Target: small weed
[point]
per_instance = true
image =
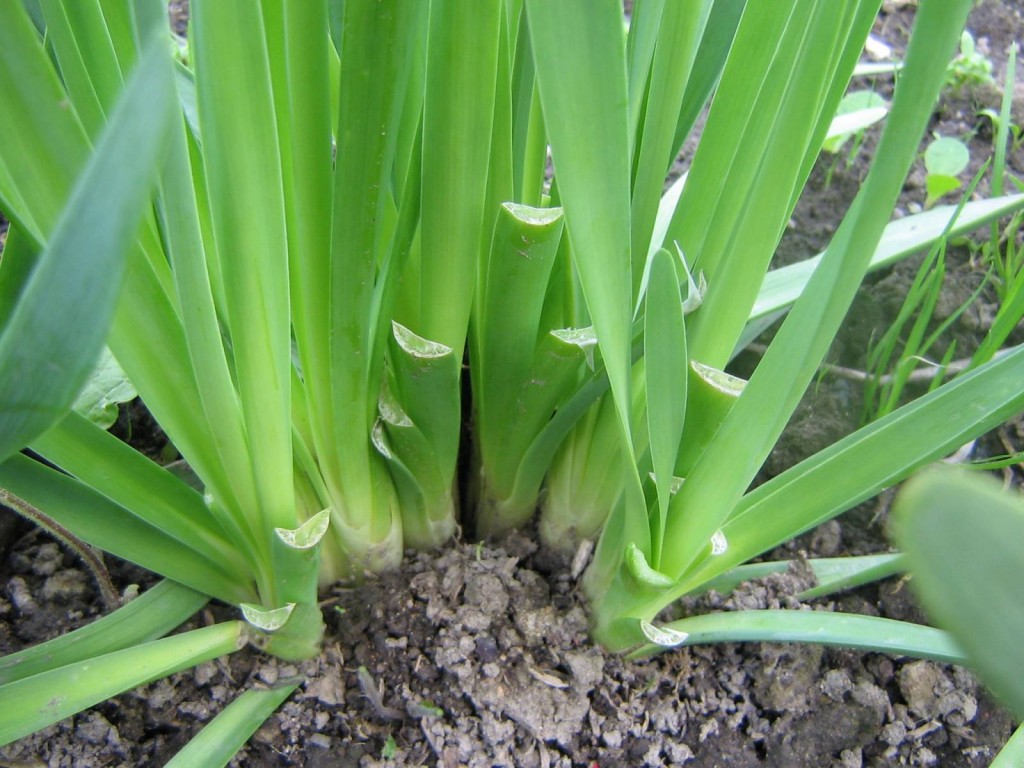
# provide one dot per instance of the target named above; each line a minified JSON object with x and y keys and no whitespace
{"x":970,"y":67}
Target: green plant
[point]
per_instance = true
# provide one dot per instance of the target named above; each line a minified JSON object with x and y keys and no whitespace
{"x":944,"y":160}
{"x":331,"y":237}
{"x":857,"y":111}
{"x":898,"y":355}
{"x":969,"y":67}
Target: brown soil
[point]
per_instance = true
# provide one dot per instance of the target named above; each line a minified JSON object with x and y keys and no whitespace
{"x":478,"y":655}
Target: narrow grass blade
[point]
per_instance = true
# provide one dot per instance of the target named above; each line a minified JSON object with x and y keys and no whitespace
{"x":962,"y":537}
{"x":35,"y":702}
{"x":345,"y":382}
{"x":679,"y":33}
{"x":306,"y":102}
{"x":839,"y":630}
{"x":842,"y":573}
{"x":719,"y":33}
{"x":901,"y":238}
{"x":148,"y":617}
{"x":17,"y":259}
{"x":764,"y":123}
{"x":579,"y":50}
{"x":222,"y":737}
{"x":54,"y":336}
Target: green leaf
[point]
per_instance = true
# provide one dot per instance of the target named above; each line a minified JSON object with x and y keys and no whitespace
{"x":839,"y":630}
{"x":222,"y":737}
{"x":901,"y":238}
{"x":857,"y":110}
{"x":579,"y":51}
{"x":946,"y":156}
{"x":937,"y":185}
{"x":462,"y":58}
{"x":97,"y":520}
{"x":666,"y":377}
{"x":962,"y":538}
{"x":57,"y":329}
{"x":726,"y":468}
{"x":242,"y":160}
{"x":149,"y":616}
{"x":105,"y":389}
{"x":35,"y":702}
{"x":871,"y":459}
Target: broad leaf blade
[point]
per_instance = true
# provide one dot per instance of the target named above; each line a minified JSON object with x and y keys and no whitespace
{"x":148,"y":617}
{"x":35,"y":702}
{"x":963,"y":536}
{"x":57,"y":330}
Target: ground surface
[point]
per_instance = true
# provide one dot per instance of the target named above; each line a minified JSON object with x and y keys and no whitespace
{"x":478,"y":655}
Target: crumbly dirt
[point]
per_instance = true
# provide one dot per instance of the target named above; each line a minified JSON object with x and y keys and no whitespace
{"x":478,"y":655}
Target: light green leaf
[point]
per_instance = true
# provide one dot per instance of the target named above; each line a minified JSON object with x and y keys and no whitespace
{"x":222,"y":737}
{"x":666,"y":377}
{"x":937,"y":185}
{"x":962,"y":538}
{"x":149,"y":616}
{"x":57,"y":329}
{"x":946,"y":156}
{"x":105,"y":389}
{"x":828,"y":628}
{"x":35,"y":702}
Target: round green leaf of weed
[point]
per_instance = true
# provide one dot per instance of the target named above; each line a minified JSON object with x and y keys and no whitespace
{"x":963,"y":536}
{"x":946,"y":157}
{"x":104,"y":390}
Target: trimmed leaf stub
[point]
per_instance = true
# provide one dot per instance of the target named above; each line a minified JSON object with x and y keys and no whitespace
{"x":380,"y":440}
{"x":584,"y":338}
{"x":267,"y":620}
{"x":666,"y":637}
{"x":416,"y":346}
{"x":724,"y":382}
{"x":307,"y":535}
{"x":677,"y":483}
{"x":640,"y":569}
{"x":390,"y":410}
{"x":719,"y":544}
{"x":538,"y":217}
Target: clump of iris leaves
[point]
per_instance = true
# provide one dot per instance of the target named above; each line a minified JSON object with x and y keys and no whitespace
{"x":302,"y":234}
